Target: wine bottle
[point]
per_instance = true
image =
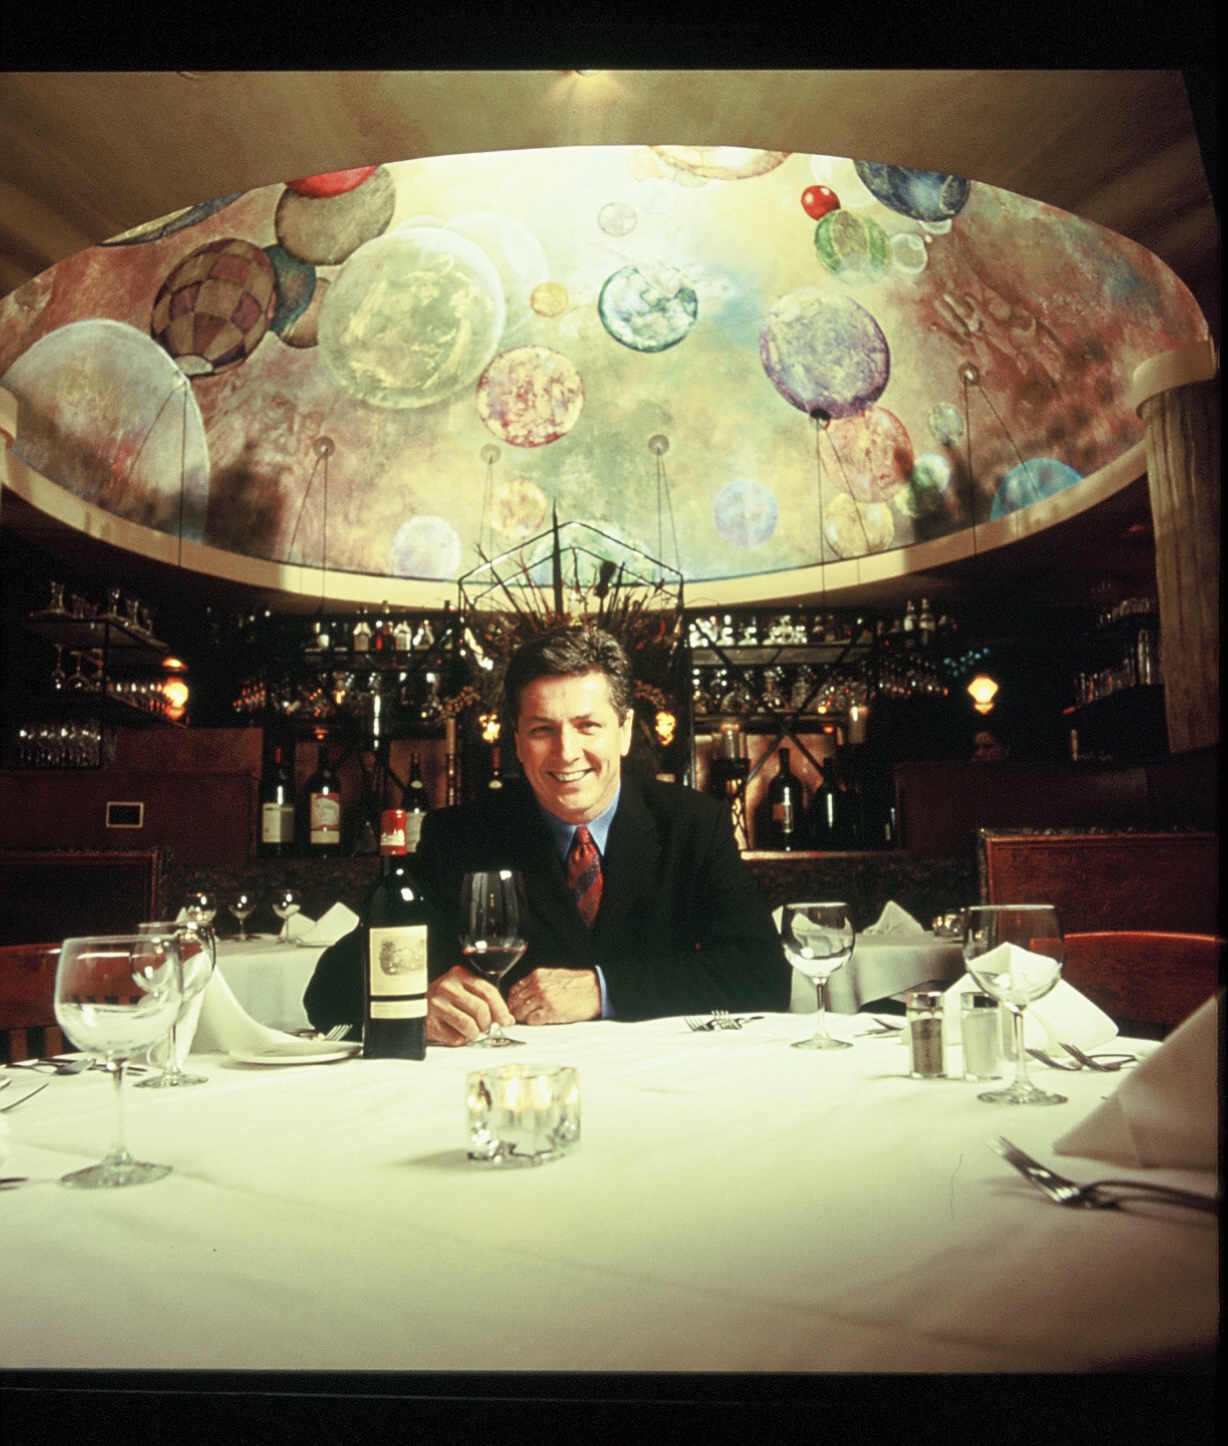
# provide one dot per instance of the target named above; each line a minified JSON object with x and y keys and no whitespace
{"x":785,"y":806}
{"x":394,"y":952}
{"x":323,"y":810}
{"x":417,"y":805}
{"x":825,"y":813}
{"x":276,"y":808}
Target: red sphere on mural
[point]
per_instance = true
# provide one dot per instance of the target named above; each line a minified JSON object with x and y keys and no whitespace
{"x":216,"y":305}
{"x":818,"y":200}
{"x":332,"y":183}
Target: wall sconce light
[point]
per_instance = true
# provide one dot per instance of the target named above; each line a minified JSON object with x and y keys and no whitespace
{"x":982,"y":688}
{"x":489,"y":724}
{"x":175,"y":691}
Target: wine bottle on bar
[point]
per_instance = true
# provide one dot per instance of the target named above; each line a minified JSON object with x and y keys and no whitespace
{"x":785,"y":805}
{"x":323,"y":810}
{"x":395,"y":922}
{"x":276,"y":808}
{"x":417,"y":805}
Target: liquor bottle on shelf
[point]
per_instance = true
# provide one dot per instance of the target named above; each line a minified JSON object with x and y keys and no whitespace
{"x":825,"y":819}
{"x":785,"y":804}
{"x":323,"y":810}
{"x":276,"y":808}
{"x":395,"y":923}
{"x":402,"y":639}
{"x":925,"y":624}
{"x":417,"y":804}
{"x":362,"y":634}
{"x":495,"y":782}
{"x":909,"y":625}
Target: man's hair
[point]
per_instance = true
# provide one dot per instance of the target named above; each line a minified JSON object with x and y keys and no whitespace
{"x":569,"y":652}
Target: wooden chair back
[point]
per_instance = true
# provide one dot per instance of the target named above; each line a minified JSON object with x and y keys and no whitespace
{"x":1145,"y":980}
{"x":28,"y":1027}
{"x":1153,"y":881}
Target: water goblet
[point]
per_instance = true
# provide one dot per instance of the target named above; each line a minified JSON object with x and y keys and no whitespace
{"x":116,"y":996}
{"x":241,"y":906}
{"x":818,"y":940}
{"x":1015,"y":977}
{"x":197,"y":956}
{"x":286,"y":903}
{"x":494,"y":933}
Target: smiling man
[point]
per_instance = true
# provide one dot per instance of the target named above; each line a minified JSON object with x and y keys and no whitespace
{"x":640,"y":904}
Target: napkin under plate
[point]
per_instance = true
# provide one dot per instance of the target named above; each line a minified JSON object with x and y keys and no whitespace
{"x":297,"y":1051}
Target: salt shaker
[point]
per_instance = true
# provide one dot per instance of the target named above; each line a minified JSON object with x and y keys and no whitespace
{"x":981,"y":1035}
{"x":923,"y":1008}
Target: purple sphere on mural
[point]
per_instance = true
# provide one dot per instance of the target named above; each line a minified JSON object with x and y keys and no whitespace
{"x":745,"y":512}
{"x":824,"y":353}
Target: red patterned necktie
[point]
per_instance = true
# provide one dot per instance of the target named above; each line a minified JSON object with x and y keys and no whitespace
{"x":584,"y":875}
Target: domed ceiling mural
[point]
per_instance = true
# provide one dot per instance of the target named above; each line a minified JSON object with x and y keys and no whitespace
{"x":735,"y":361}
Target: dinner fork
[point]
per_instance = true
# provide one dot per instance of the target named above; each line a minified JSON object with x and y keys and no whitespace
{"x":1066,"y":1192}
{"x":1107,"y":1065}
{"x":697,"y":1025}
{"x":4,"y":1109}
{"x":1050,"y":1061}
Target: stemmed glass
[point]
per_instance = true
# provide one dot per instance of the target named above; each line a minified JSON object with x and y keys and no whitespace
{"x":818,"y":940}
{"x":494,"y":933}
{"x":1015,"y":977}
{"x":116,"y":996}
{"x":286,"y":903}
{"x":241,"y":906}
{"x":200,"y":908}
{"x":197,"y":956}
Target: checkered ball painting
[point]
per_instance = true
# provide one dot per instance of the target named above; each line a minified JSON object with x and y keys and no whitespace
{"x":213,"y":309}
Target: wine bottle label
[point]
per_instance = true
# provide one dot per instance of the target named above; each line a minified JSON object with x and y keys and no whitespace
{"x":397,"y":967}
{"x":325,"y":818}
{"x":277,"y":823}
{"x":413,"y":831}
{"x":782,"y":813}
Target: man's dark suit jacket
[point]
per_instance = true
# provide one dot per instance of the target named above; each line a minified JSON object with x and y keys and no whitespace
{"x":683,"y":928}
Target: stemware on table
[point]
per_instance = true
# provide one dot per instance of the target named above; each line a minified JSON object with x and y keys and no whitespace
{"x":286,"y":903}
{"x":197,"y":957}
{"x":242,"y":906}
{"x":818,"y":940}
{"x":494,"y":933}
{"x":1028,"y":973}
{"x":201,"y":907}
{"x":117,"y":996}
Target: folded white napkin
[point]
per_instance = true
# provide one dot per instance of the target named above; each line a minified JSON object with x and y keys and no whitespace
{"x":894,"y":920}
{"x":1063,"y":1016}
{"x":1165,"y":1111}
{"x":335,"y":924}
{"x":223,"y":1026}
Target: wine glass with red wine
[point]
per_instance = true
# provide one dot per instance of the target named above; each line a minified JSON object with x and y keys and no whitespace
{"x":494,"y":933}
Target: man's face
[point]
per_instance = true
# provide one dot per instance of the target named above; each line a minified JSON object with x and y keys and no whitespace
{"x":988,"y":749}
{"x":571,"y":744}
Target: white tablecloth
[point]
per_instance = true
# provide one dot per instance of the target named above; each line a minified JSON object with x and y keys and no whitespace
{"x":268,"y":978}
{"x":734,"y":1205}
{"x":882,"y":965}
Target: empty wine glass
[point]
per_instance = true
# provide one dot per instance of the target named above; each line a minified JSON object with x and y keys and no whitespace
{"x":197,"y":955}
{"x":286,"y":903}
{"x":116,"y":996}
{"x":241,"y":906}
{"x":818,"y":940}
{"x":200,"y":907}
{"x":494,"y":933}
{"x":1015,"y":976}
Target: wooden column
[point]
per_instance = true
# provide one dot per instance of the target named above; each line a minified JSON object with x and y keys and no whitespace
{"x":1179,"y":404}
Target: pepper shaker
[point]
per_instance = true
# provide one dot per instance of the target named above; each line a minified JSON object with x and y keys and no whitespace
{"x":923,"y":1008}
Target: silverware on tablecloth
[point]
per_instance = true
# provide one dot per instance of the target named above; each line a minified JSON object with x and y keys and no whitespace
{"x":1105,"y":1063}
{"x":721,"y":1019}
{"x":10,"y":1182}
{"x":1050,"y":1061}
{"x":1093,"y":1194}
{"x":4,"y":1109}
{"x":58,"y":1064}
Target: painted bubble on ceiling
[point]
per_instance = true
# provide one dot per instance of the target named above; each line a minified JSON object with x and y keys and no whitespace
{"x":398,"y":369}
